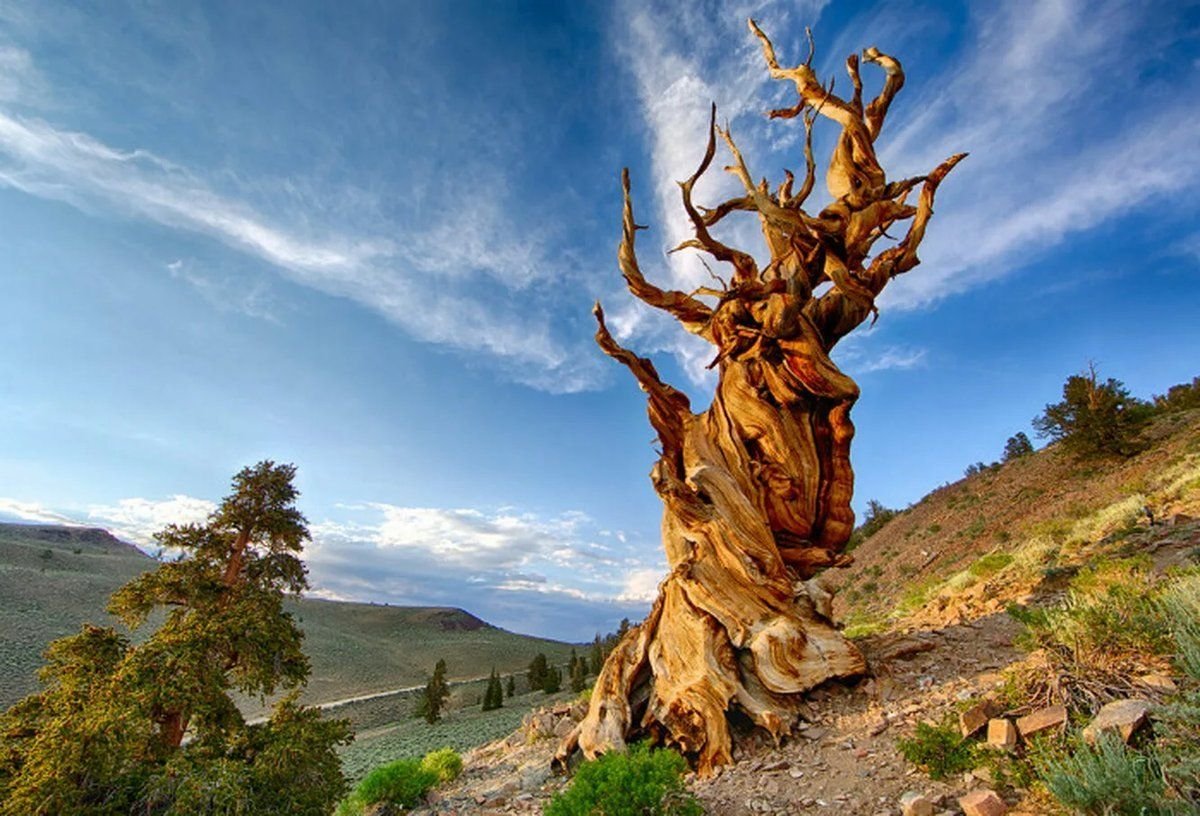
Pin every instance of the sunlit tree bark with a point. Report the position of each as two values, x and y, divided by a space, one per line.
757 488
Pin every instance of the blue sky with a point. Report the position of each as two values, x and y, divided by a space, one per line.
366 240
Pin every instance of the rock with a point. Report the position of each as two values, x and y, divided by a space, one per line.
1159 682
982 802
1123 716
1001 733
813 733
1041 720
1177 519
975 717
534 778
564 727
914 803
879 727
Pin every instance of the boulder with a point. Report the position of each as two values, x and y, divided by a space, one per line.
1041 720
1121 716
982 802
914 803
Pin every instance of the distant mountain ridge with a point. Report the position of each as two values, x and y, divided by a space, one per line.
53 578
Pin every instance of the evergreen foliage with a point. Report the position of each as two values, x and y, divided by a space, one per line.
493 695
577 671
552 682
875 518
598 653
1182 397
538 669
1018 445
1094 417
511 688
106 733
939 749
434 697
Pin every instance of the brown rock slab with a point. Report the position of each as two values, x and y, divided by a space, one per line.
1001 733
1124 717
974 718
982 802
1041 720
1159 682
914 803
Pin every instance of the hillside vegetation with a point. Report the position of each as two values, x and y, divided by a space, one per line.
969 547
52 579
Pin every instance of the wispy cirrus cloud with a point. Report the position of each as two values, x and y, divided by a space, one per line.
1037 81
452 279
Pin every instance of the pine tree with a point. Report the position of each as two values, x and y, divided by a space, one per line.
598 654
434 697
1094 417
493 695
1018 445
106 733
578 675
512 686
537 672
552 682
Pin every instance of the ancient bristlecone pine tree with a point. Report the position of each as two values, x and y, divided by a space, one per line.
757 488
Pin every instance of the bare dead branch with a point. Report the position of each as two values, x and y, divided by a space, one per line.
877 110
743 263
690 312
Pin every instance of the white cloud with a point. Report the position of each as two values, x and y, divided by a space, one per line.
32 512
641 585
138 519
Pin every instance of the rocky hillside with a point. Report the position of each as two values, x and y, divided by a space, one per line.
969 547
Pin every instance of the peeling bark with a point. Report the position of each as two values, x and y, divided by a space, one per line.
756 489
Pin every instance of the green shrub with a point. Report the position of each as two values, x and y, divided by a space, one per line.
445 763
642 782
401 783
990 564
939 750
1108 780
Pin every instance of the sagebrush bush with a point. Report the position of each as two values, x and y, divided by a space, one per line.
1107 632
402 783
445 763
1109 779
940 750
641 782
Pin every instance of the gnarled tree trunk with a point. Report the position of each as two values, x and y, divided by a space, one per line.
757 488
